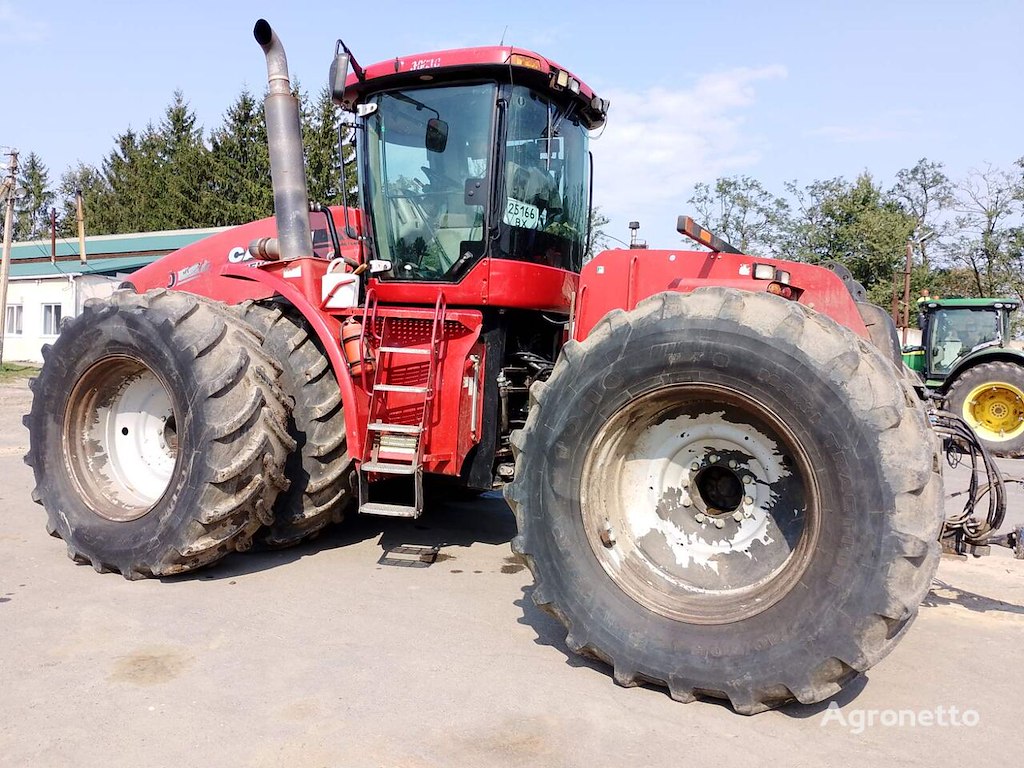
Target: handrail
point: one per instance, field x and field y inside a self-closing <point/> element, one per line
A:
<point x="369" y="321"/>
<point x="436" y="340"/>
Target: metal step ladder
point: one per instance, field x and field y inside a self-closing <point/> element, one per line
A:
<point x="399" y="411"/>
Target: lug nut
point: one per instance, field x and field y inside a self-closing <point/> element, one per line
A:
<point x="686" y="501"/>
<point x="695" y="466"/>
<point x="607" y="535"/>
<point x="748" y="500"/>
<point x="732" y="463"/>
<point x="719" y="523"/>
<point x="737" y="516"/>
<point x="748" y="479"/>
<point x="713" y="458"/>
<point x="699" y="517"/>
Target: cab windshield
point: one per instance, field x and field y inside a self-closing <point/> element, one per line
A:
<point x="546" y="205"/>
<point x="427" y="177"/>
<point x="959" y="331"/>
<point x="447" y="184"/>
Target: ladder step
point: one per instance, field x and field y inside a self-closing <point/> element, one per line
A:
<point x="404" y="350"/>
<point x="399" y="388"/>
<point x="401" y="429"/>
<point x="388" y="510"/>
<point x="387" y="468"/>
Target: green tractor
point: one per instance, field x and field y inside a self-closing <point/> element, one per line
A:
<point x="965" y="357"/>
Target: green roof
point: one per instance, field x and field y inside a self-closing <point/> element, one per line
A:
<point x="94" y="267"/>
<point x="110" y="245"/>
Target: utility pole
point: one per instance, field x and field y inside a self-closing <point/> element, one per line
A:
<point x="9" y="187"/>
<point x="911" y="242"/>
<point x="906" y="288"/>
<point x="80" y="213"/>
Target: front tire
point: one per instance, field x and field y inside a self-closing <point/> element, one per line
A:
<point x="729" y="495"/>
<point x="158" y="434"/>
<point x="990" y="398"/>
<point x="320" y="470"/>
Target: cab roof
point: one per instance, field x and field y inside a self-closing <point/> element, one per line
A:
<point x="504" y="63"/>
<point x="934" y="304"/>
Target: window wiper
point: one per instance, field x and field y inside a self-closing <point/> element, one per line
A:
<point x="410" y="100"/>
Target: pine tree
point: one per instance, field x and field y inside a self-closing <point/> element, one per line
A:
<point x="240" y="165"/>
<point x="320" y="139"/>
<point x="96" y="198"/>
<point x="124" y="202"/>
<point x="182" y="170"/>
<point x="33" y="210"/>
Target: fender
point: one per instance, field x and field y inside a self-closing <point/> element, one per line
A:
<point x="326" y="327"/>
<point x="987" y="355"/>
<point x="220" y="267"/>
<point x="620" y="279"/>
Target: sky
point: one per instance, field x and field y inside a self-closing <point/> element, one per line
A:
<point x="776" y="90"/>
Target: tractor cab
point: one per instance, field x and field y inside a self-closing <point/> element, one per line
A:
<point x="954" y="329"/>
<point x="469" y="157"/>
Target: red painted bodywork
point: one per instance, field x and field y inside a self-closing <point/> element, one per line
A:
<point x="620" y="279"/>
<point x="453" y="426"/>
<point x="219" y="267"/>
<point x="491" y="283"/>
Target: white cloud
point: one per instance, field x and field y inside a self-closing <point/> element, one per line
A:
<point x="16" y="27"/>
<point x="891" y="125"/>
<point x="857" y="134"/>
<point x="658" y="143"/>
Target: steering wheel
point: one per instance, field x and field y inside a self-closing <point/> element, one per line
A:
<point x="441" y="179"/>
<point x="408" y="204"/>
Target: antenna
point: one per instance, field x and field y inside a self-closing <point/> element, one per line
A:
<point x="503" y="35"/>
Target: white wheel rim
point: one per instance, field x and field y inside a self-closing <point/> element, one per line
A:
<point x="121" y="438"/>
<point x="699" y="503"/>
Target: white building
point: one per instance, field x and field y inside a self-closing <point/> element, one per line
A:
<point x="44" y="291"/>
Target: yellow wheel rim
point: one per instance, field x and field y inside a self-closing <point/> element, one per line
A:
<point x="995" y="410"/>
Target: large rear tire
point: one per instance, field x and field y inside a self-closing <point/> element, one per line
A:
<point x="990" y="397"/>
<point x="729" y="495"/>
<point x="158" y="434"/>
<point x="319" y="470"/>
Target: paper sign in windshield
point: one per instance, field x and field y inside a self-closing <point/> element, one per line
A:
<point x="520" y="214"/>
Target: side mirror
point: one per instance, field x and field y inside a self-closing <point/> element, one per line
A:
<point x="437" y="135"/>
<point x="338" y="74"/>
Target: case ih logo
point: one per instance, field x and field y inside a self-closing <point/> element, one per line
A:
<point x="188" y="273"/>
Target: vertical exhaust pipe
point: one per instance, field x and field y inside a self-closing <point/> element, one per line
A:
<point x="284" y="137"/>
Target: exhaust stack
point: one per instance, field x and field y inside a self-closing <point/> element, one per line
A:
<point x="284" y="137"/>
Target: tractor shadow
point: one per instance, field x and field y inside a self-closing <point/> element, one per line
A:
<point x="944" y="594"/>
<point x="445" y="523"/>
<point x="551" y="633"/>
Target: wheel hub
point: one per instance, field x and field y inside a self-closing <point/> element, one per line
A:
<point x="995" y="410"/>
<point x="708" y="500"/>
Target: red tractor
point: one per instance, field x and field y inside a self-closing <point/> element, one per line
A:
<point x="721" y="485"/>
